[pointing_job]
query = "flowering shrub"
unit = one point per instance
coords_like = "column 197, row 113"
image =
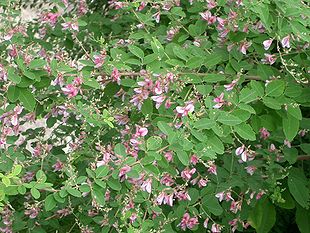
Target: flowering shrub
column 161, row 116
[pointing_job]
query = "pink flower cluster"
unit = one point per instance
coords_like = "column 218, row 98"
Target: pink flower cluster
column 188, row 222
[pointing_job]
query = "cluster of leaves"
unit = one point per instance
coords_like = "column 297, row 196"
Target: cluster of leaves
column 162, row 116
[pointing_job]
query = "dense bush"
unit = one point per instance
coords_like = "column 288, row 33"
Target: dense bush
column 160, row 116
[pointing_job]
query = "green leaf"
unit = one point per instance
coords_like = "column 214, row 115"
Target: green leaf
column 147, row 107
column 302, row 219
column 136, row 51
column 91, row 82
column 183, row 157
column 290, row 154
column 272, row 103
column 204, row 123
column 120, row 149
column 247, row 95
column 297, row 184
column 13, row 93
column 29, row 74
column 37, row 63
column 153, row 143
column 228, row 119
column 290, row 127
column 40, row 176
column 195, row 62
column 6, row 181
column 248, row 108
column 35, row 193
column 13, row 76
column 157, row 48
column 275, row 88
column 180, row 52
column 128, row 82
column 74, row 192
column 215, row 143
column 263, row 216
column 213, row 78
column 164, row 127
column 98, row 194
column 210, row 203
column 212, row 59
column 257, row 87
column 49, row 202
column 114, row 184
column 16, row 170
column 27, row 99
column 294, row 111
column 245, row 131
column 305, row 148
column 101, row 171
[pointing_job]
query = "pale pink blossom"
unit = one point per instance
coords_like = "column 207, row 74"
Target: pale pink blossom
column 264, row 133
column 147, row 185
column 202, row 183
column 231, row 86
column 216, row 228
column 156, row 16
column 141, row 131
column 99, row 60
column 220, row 196
column 208, row 17
column 235, row 206
column 267, row 43
column 116, row 77
column 169, row 156
column 188, row 222
column 158, row 100
column 194, row 159
column 187, row 173
column 184, row 111
column 123, row 171
column 286, row 42
column 211, row 4
column 70, row 90
column 287, row 143
column 250, row 169
column 70, row 25
column 219, row 100
column 244, row 46
column 205, row 223
column 269, row 59
column 240, row 150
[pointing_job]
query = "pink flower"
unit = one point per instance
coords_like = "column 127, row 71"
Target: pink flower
column 287, row 143
column 219, row 100
column 216, row 228
column 264, row 134
column 244, row 156
column 250, row 169
column 159, row 100
column 267, row 44
column 140, row 131
column 269, row 59
column 70, row 25
column 168, row 199
column 184, row 111
column 58, row 166
column 202, row 183
column 220, row 196
column 205, row 223
column 211, row 4
column 231, row 86
column 99, row 60
column 208, row 17
column 123, row 171
column 212, row 168
column 286, row 42
column 167, row 180
column 182, row 196
column 260, row 194
column 244, row 46
column 186, row 174
column 156, row 16
column 235, row 206
column 116, row 77
column 169, row 156
column 194, row 159
column 133, row 217
column 188, row 222
column 240, row 150
column 147, row 185
column 70, row 90
column 50, row 18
